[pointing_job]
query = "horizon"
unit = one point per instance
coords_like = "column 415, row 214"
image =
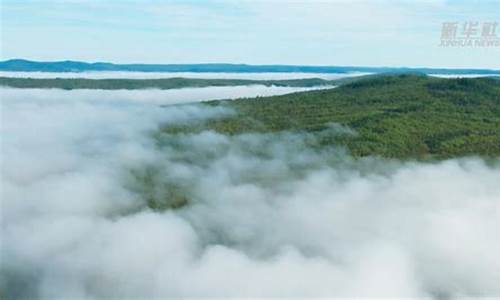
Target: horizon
column 240, row 64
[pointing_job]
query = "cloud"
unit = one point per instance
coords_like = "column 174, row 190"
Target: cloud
column 267, row 214
column 150, row 96
column 156, row 75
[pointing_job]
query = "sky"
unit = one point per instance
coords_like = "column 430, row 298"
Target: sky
column 346, row 33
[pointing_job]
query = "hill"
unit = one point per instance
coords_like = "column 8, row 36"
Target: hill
column 22, row 65
column 401, row 116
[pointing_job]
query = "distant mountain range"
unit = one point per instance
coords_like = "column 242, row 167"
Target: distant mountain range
column 22, row 65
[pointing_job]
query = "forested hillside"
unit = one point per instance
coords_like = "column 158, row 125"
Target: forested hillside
column 403, row 116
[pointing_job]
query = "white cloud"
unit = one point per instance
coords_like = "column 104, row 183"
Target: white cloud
column 150, row 96
column 157, row 75
column 268, row 216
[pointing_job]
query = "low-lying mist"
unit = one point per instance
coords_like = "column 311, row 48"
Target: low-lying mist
column 156, row 75
column 260, row 214
column 154, row 96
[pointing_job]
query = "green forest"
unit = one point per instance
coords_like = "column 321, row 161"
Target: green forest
column 398, row 116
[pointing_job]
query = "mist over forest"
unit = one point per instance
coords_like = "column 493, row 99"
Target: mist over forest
column 213, row 149
column 98, row 202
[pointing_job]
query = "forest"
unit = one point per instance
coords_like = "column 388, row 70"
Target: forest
column 395, row 116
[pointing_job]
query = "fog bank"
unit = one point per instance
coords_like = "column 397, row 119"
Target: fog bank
column 266, row 215
column 157, row 75
column 153, row 96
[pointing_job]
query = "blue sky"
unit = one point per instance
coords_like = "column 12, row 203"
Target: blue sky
column 356, row 32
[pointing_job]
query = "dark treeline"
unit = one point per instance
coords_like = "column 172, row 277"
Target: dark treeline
column 165, row 83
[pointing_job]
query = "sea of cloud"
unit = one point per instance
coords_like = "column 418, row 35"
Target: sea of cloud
column 154, row 96
column 157, row 75
column 267, row 215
